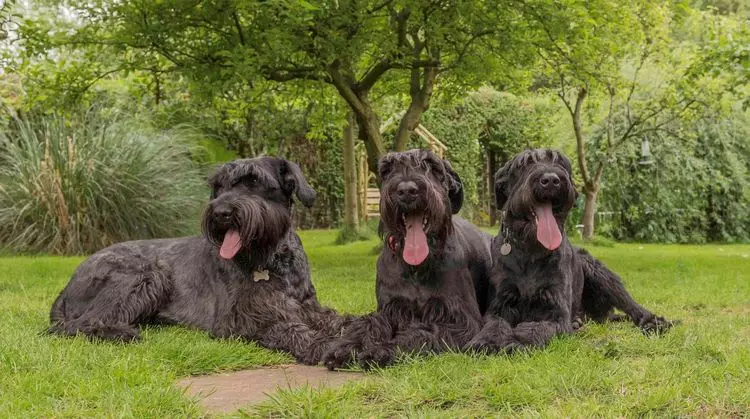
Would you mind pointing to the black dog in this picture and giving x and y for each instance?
(247, 276)
(432, 273)
(543, 286)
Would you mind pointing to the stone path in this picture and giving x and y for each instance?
(223, 393)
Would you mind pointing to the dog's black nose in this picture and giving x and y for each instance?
(407, 189)
(549, 180)
(223, 214)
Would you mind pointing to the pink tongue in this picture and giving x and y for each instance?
(547, 232)
(231, 244)
(415, 245)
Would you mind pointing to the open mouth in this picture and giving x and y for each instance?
(416, 249)
(547, 231)
(412, 218)
(231, 244)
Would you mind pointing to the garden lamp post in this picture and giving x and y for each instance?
(645, 153)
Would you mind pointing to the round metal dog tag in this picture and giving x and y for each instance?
(505, 249)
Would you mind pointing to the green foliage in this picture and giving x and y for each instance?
(269, 78)
(212, 151)
(322, 163)
(71, 186)
(696, 190)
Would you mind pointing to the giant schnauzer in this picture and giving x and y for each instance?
(433, 271)
(246, 277)
(542, 285)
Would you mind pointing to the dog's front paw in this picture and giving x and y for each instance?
(490, 345)
(653, 324)
(312, 357)
(340, 355)
(481, 346)
(378, 356)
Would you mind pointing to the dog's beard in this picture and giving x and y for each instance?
(257, 227)
(423, 228)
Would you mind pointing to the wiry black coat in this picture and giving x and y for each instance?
(538, 293)
(433, 306)
(185, 281)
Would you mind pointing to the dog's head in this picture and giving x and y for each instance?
(251, 206)
(419, 194)
(536, 190)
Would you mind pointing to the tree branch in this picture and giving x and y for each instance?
(240, 33)
(373, 75)
(296, 73)
(465, 48)
(580, 141)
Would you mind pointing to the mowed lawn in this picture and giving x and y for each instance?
(701, 368)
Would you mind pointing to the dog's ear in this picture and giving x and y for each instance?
(218, 177)
(501, 186)
(292, 180)
(455, 188)
(563, 161)
(385, 165)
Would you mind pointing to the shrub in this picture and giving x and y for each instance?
(75, 186)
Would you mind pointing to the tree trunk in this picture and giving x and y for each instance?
(589, 210)
(421, 87)
(369, 134)
(408, 124)
(351, 220)
(367, 119)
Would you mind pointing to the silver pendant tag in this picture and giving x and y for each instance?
(505, 249)
(261, 275)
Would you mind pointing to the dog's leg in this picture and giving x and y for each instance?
(368, 331)
(324, 320)
(114, 313)
(538, 334)
(496, 335)
(603, 290)
(442, 325)
(305, 344)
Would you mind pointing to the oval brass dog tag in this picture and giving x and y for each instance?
(505, 249)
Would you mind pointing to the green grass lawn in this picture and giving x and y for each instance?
(701, 368)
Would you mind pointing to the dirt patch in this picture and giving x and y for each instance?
(227, 392)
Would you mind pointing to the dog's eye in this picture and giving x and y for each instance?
(251, 181)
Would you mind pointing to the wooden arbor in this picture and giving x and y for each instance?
(369, 197)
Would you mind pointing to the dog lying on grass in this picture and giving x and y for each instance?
(542, 285)
(433, 270)
(246, 277)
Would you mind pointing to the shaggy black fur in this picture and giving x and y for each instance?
(434, 305)
(186, 281)
(539, 293)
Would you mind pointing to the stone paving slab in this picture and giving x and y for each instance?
(224, 393)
